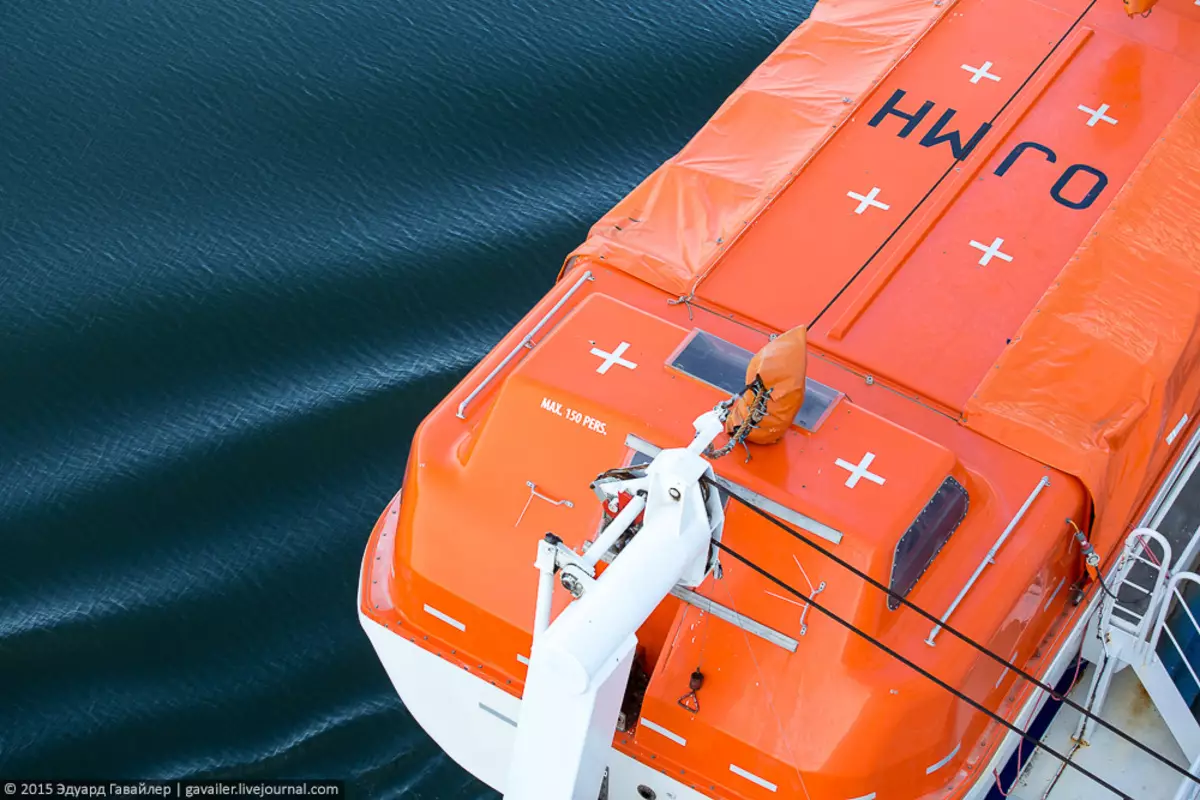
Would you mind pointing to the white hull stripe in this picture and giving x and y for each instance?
(935, 767)
(498, 715)
(870, 796)
(661, 731)
(1179, 425)
(523, 659)
(444, 617)
(750, 776)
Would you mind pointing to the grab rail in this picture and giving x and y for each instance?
(462, 407)
(1173, 591)
(1138, 623)
(988, 559)
(1189, 788)
(1169, 489)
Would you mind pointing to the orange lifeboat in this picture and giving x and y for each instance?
(983, 220)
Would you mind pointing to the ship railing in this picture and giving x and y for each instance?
(525, 343)
(1137, 589)
(1177, 620)
(1177, 641)
(1189, 789)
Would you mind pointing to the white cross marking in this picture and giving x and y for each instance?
(613, 358)
(991, 251)
(860, 470)
(867, 201)
(1098, 114)
(981, 72)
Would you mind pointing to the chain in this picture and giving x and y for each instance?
(758, 412)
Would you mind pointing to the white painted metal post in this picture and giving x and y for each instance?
(708, 426)
(545, 594)
(579, 666)
(1188, 788)
(676, 531)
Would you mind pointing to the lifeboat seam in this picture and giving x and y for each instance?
(908, 217)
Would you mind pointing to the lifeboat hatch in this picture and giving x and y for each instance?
(721, 364)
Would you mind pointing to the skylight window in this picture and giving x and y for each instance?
(723, 364)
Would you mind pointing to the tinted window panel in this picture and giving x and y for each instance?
(926, 536)
(714, 361)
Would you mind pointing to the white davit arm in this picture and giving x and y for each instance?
(580, 663)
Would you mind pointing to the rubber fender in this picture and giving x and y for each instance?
(1135, 7)
(781, 365)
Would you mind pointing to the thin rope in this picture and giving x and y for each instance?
(1021, 742)
(703, 641)
(945, 626)
(996, 773)
(919, 670)
(689, 302)
(762, 682)
(951, 169)
(682, 624)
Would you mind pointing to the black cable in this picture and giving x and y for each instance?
(959, 634)
(925, 673)
(1107, 591)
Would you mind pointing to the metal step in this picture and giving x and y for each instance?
(1174, 708)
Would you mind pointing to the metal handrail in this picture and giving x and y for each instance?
(1169, 489)
(1161, 625)
(1189, 788)
(1135, 543)
(1061, 660)
(989, 558)
(462, 407)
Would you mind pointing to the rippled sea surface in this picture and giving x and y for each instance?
(245, 246)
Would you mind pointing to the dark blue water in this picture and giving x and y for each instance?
(245, 245)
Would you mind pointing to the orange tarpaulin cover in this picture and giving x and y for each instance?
(671, 229)
(1133, 7)
(1105, 366)
(1109, 362)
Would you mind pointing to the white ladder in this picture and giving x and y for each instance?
(1148, 605)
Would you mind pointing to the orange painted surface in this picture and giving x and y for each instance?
(1069, 353)
(672, 229)
(1109, 363)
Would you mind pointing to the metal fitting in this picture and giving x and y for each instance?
(572, 585)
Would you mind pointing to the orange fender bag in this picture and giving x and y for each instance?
(781, 366)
